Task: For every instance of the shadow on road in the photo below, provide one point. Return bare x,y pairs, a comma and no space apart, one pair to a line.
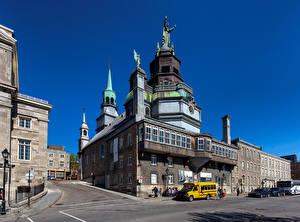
235,217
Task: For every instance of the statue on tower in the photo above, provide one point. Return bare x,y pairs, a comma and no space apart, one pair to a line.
166,34
137,58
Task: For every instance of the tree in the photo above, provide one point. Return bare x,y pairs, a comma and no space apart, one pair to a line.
74,162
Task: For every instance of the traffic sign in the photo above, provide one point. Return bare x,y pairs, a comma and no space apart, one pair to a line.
29,176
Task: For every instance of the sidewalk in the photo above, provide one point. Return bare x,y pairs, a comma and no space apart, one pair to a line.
44,202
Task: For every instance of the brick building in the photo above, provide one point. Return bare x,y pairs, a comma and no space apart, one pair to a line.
295,166
157,140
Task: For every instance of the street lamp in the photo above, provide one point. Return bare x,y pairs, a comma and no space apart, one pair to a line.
5,154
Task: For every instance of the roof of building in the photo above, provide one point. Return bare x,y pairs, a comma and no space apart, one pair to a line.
112,126
54,147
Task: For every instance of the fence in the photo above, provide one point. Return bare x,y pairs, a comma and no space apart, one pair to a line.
23,191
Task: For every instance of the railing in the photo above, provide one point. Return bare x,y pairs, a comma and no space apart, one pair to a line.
32,98
23,192
185,86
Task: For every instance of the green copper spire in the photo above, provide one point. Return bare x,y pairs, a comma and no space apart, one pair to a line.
109,96
109,85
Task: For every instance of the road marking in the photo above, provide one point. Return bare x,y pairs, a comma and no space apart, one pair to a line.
30,219
71,216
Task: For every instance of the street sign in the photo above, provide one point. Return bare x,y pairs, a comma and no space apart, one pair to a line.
29,176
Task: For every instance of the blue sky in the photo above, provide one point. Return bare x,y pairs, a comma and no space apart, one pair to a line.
240,57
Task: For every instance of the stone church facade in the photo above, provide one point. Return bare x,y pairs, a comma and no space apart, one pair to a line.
23,123
157,140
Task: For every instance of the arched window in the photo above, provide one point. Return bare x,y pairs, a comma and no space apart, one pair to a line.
112,101
107,99
147,111
84,132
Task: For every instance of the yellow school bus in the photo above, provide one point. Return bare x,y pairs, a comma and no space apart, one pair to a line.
191,191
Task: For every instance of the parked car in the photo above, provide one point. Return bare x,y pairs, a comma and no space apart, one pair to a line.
51,177
277,191
74,177
264,192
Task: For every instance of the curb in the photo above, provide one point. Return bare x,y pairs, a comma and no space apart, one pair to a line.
113,192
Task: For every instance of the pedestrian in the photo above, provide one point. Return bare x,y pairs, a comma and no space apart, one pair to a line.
160,191
238,192
155,190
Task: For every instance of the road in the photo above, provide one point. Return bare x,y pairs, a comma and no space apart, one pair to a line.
85,204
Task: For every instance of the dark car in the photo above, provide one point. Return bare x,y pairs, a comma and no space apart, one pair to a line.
277,191
260,193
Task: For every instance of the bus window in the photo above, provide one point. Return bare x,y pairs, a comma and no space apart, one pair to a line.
214,187
205,187
202,188
209,187
195,188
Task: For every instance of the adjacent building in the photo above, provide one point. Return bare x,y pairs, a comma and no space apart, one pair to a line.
158,141
23,124
58,162
295,166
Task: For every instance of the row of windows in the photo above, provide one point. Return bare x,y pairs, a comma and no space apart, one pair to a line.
52,155
251,167
61,163
153,181
120,163
119,179
217,149
153,160
167,137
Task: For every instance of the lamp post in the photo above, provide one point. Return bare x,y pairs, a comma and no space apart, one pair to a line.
5,154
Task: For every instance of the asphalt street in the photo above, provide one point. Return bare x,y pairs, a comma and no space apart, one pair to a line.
85,204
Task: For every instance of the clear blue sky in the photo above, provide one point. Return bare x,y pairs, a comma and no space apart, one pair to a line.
241,58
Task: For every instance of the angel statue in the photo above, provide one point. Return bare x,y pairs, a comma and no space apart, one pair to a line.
166,34
137,58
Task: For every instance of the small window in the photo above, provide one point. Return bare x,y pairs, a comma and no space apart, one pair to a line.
112,101
50,154
173,136
148,132
161,135
147,111
107,100
129,161
50,163
178,140
170,179
167,139
202,187
121,162
153,160
62,155
129,140
84,132
24,122
205,187
24,150
121,141
61,163
121,179
102,151
208,144
200,144
129,181
170,161
188,142
153,178
154,135
183,139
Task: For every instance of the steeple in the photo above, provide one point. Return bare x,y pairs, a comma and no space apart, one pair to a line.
84,133
109,85
109,95
108,106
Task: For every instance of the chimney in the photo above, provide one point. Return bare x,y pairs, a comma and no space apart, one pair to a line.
226,129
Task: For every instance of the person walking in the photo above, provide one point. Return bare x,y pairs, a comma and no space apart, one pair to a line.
238,192
155,190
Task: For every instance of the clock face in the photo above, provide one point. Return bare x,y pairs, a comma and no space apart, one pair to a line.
191,108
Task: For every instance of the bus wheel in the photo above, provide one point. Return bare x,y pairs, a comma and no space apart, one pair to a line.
207,197
191,198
